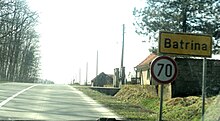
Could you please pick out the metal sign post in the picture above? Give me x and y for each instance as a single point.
(199, 45)
(203, 88)
(161, 102)
(164, 71)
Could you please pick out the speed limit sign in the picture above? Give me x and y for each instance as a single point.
(164, 69)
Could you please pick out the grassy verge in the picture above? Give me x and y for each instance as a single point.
(3, 82)
(127, 110)
(140, 103)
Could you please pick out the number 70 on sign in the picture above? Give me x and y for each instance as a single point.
(164, 69)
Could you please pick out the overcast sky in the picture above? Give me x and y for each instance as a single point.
(71, 32)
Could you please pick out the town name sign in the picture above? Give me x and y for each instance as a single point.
(185, 44)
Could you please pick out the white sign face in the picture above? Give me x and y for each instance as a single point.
(164, 69)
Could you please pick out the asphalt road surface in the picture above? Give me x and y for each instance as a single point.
(19, 101)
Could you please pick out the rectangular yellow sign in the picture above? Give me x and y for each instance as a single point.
(185, 44)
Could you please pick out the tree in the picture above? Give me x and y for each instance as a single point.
(19, 54)
(194, 16)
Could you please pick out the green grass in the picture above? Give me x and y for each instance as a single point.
(141, 103)
(3, 81)
(127, 110)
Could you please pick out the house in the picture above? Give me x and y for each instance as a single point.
(189, 78)
(102, 79)
(143, 71)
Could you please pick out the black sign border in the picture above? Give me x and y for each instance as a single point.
(195, 55)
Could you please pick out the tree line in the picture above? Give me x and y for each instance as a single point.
(19, 44)
(192, 16)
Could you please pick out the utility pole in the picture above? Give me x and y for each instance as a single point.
(79, 76)
(73, 81)
(97, 62)
(86, 73)
(122, 72)
(97, 67)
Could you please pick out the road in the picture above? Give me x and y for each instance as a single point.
(20, 101)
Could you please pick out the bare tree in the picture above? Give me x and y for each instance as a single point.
(19, 57)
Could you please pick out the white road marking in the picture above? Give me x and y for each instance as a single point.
(15, 95)
(97, 107)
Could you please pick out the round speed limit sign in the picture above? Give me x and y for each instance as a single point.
(164, 69)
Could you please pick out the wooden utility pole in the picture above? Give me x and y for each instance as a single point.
(79, 75)
(97, 62)
(122, 72)
(86, 73)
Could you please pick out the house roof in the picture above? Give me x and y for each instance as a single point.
(103, 75)
(146, 62)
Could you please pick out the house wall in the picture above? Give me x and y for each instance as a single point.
(167, 91)
(189, 78)
(102, 79)
(145, 77)
(139, 77)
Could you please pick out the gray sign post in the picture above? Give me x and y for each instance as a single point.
(164, 71)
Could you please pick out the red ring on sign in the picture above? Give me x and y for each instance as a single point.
(175, 70)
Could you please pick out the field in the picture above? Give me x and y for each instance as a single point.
(141, 103)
